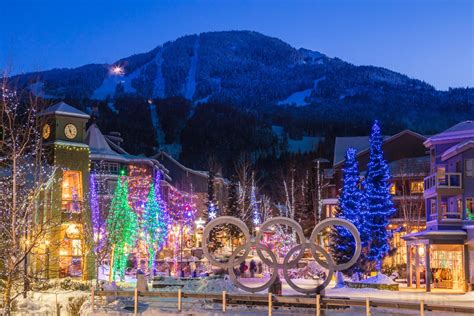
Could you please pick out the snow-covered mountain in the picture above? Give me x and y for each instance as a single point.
(238, 67)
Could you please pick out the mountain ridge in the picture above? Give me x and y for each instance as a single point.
(237, 51)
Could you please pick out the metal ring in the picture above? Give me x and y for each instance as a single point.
(280, 221)
(225, 220)
(287, 263)
(314, 248)
(351, 228)
(262, 287)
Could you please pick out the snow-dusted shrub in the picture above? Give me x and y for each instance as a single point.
(311, 271)
(75, 303)
(69, 284)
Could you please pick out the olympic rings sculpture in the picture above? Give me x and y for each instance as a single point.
(288, 262)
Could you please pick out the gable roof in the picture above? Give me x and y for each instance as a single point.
(343, 143)
(361, 144)
(99, 148)
(457, 149)
(455, 133)
(65, 109)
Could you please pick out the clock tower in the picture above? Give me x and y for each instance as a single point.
(62, 128)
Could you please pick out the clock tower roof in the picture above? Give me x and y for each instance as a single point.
(64, 109)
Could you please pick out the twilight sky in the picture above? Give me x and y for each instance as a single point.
(431, 40)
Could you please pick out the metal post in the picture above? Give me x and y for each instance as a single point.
(367, 307)
(318, 305)
(224, 303)
(270, 304)
(92, 299)
(422, 308)
(428, 276)
(135, 307)
(409, 272)
(181, 272)
(179, 300)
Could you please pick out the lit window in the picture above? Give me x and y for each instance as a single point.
(72, 191)
(469, 167)
(72, 186)
(393, 189)
(470, 206)
(76, 247)
(416, 187)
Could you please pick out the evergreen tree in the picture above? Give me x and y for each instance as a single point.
(256, 216)
(155, 220)
(379, 200)
(121, 229)
(233, 207)
(211, 197)
(350, 207)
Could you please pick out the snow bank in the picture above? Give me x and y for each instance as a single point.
(379, 279)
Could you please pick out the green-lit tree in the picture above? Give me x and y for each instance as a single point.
(155, 223)
(121, 229)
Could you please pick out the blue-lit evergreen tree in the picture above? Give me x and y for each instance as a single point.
(352, 208)
(379, 201)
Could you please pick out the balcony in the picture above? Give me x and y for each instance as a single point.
(446, 215)
(447, 182)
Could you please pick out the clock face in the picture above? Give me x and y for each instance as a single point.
(46, 131)
(70, 130)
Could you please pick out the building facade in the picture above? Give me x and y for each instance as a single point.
(408, 162)
(442, 256)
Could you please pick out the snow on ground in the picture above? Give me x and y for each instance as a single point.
(37, 89)
(297, 98)
(112, 107)
(42, 303)
(305, 145)
(190, 87)
(159, 81)
(378, 279)
(155, 122)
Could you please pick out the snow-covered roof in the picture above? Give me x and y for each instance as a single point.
(458, 132)
(457, 149)
(99, 148)
(361, 144)
(102, 148)
(430, 234)
(65, 109)
(413, 166)
(343, 143)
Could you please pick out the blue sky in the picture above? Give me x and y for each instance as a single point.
(431, 40)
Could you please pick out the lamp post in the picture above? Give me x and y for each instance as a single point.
(320, 186)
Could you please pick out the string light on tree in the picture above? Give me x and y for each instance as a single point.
(121, 228)
(379, 200)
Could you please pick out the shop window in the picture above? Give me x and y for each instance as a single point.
(469, 168)
(416, 187)
(447, 266)
(470, 208)
(393, 189)
(72, 191)
(70, 251)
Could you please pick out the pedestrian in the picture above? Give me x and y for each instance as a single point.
(253, 268)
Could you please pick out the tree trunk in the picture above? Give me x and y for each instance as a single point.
(7, 296)
(111, 268)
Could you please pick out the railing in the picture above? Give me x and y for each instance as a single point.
(450, 180)
(446, 215)
(318, 302)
